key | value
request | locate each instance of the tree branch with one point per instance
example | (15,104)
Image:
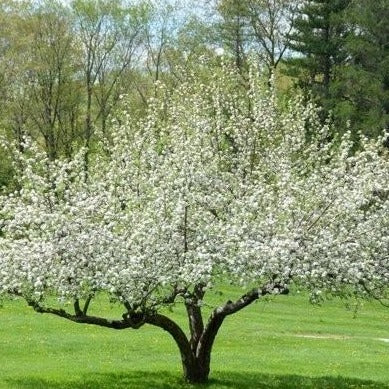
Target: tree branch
(217,317)
(177,334)
(372,294)
(77,309)
(196,324)
(86,305)
(128,321)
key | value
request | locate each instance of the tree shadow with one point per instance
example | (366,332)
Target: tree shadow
(222,380)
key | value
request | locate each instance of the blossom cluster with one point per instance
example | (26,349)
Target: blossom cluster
(217,181)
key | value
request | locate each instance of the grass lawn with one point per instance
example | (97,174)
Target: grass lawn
(282,343)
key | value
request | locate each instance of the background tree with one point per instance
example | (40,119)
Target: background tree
(319,37)
(361,89)
(215,192)
(257,27)
(13,76)
(108,33)
(271,23)
(42,97)
(234,30)
(52,92)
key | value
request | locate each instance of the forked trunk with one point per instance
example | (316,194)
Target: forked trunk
(197,364)
(195,367)
(196,351)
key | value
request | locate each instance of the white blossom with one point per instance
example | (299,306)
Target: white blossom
(205,187)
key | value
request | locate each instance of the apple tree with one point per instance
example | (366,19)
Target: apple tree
(217,183)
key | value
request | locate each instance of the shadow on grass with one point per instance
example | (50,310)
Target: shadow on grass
(222,380)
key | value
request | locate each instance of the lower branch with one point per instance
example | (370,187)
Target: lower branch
(128,321)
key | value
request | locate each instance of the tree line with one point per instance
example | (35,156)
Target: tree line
(65,66)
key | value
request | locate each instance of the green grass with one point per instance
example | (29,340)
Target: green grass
(283,343)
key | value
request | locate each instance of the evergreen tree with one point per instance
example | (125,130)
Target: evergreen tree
(319,37)
(362,86)
(234,30)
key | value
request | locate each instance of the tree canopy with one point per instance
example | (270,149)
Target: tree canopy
(216,183)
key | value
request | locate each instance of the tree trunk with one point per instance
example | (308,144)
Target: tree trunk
(195,368)
(197,371)
(196,359)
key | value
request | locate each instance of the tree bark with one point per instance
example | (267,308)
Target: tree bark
(197,372)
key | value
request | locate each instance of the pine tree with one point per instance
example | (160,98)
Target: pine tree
(362,85)
(233,29)
(319,39)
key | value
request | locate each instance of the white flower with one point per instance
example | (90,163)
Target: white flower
(213,190)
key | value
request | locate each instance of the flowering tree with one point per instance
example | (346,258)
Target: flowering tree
(216,183)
